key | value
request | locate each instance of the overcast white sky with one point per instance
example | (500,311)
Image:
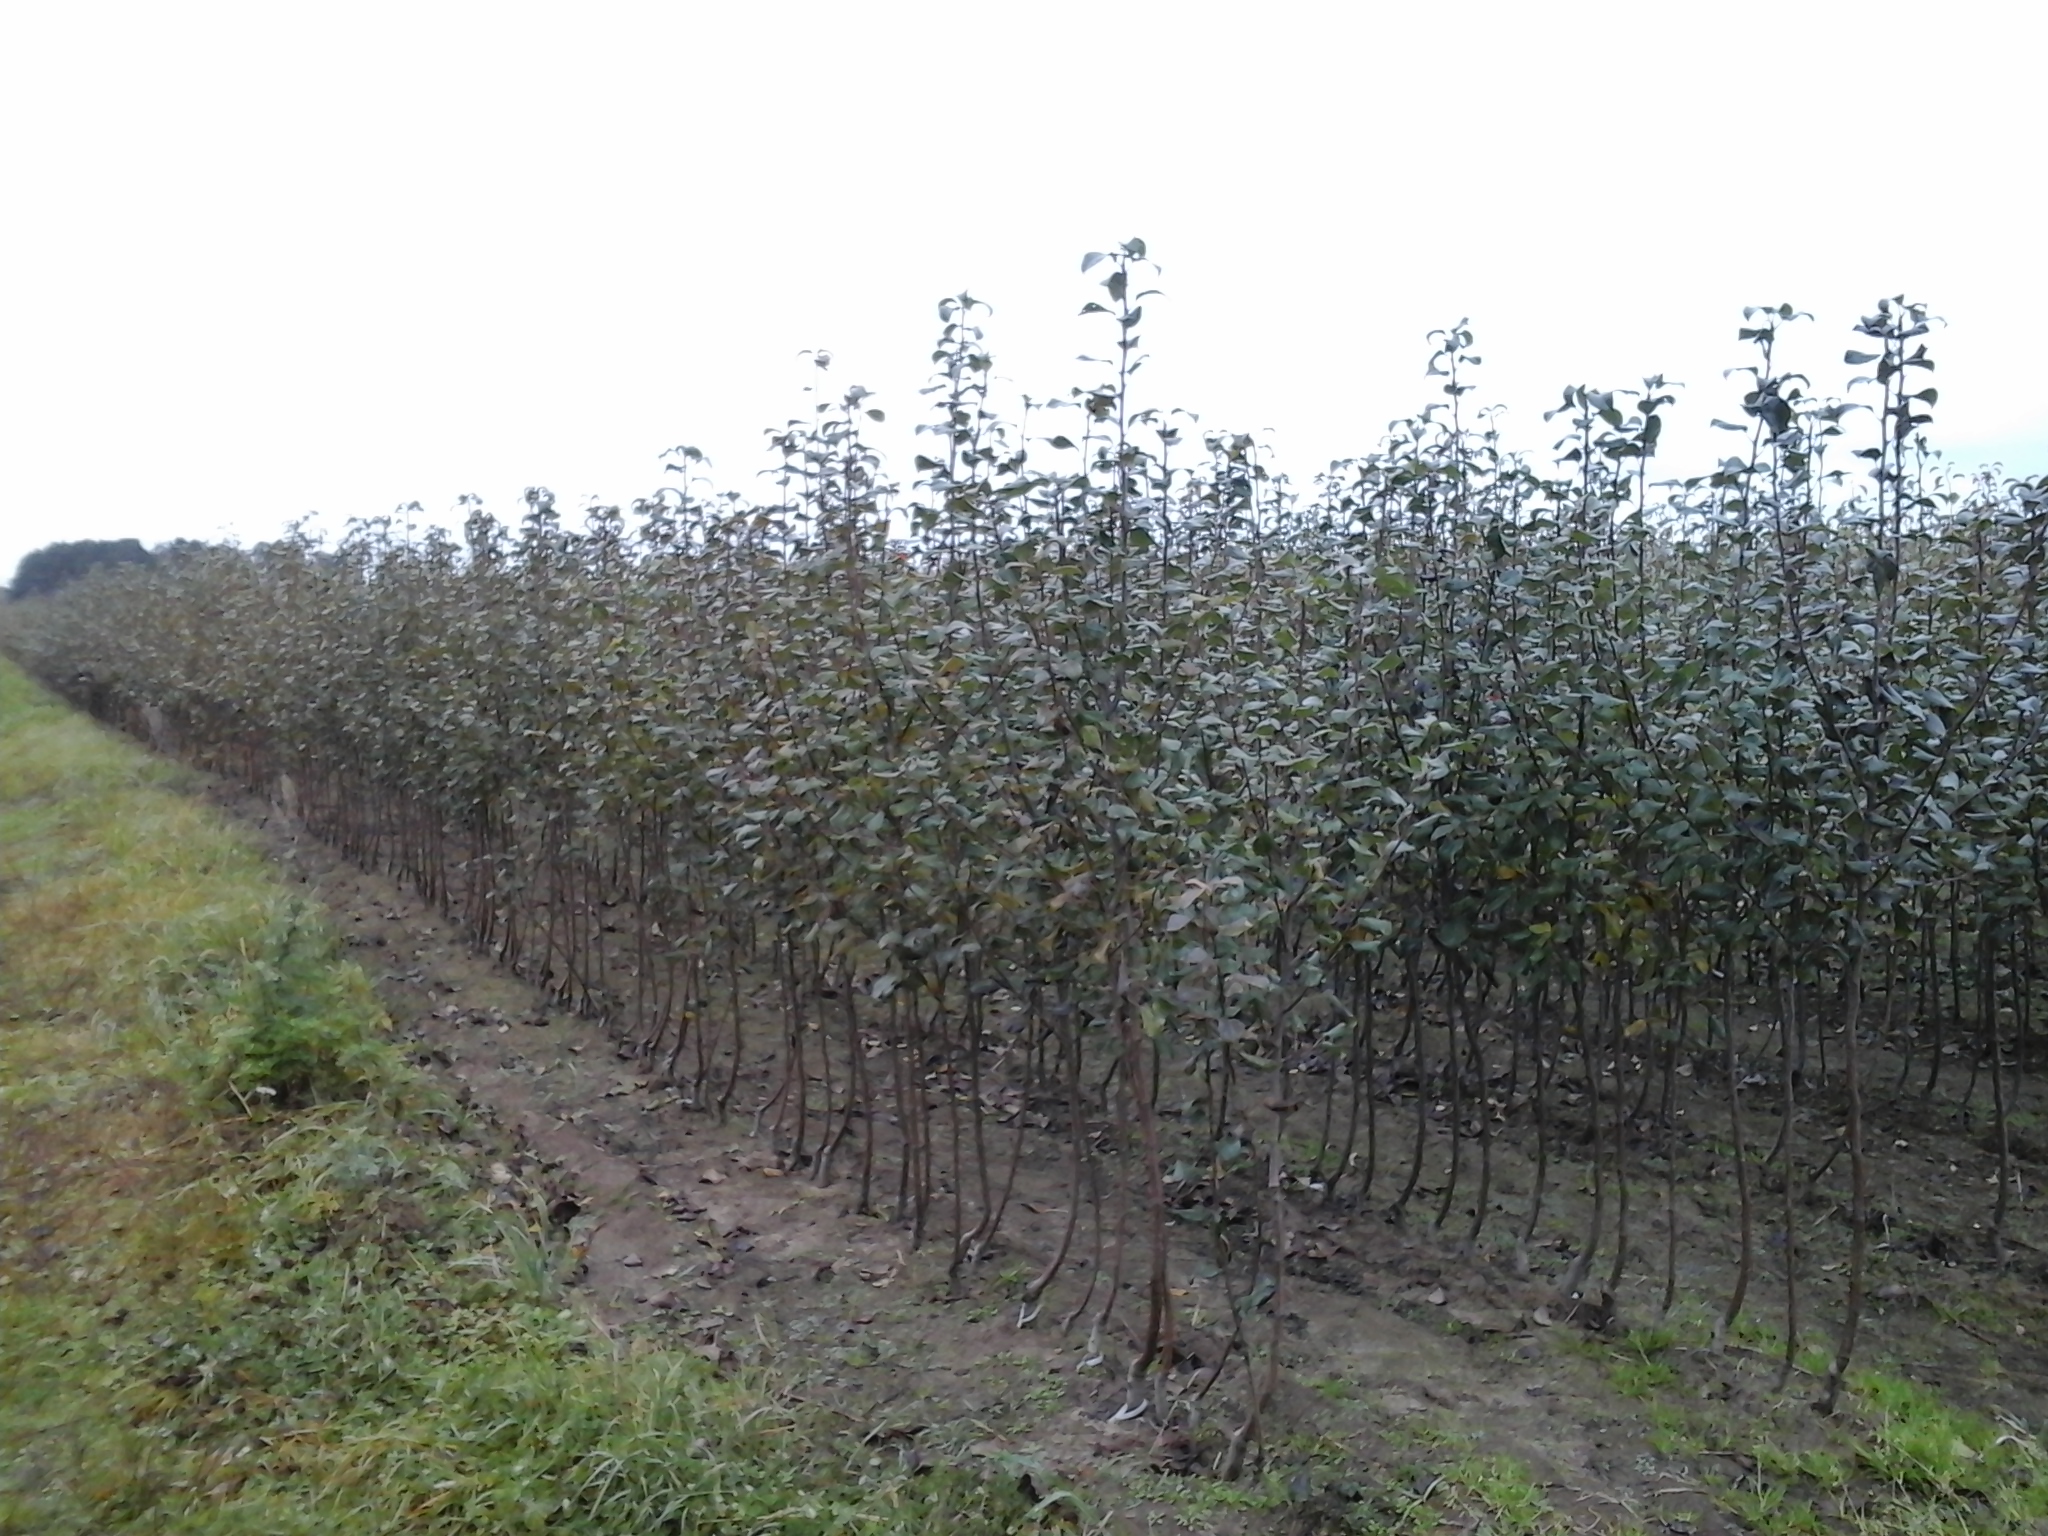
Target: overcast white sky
(270,259)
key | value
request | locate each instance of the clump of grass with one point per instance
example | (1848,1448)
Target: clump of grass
(1954,1469)
(1896,1458)
(245,1288)
(1454,1481)
(288,1025)
(1637,1368)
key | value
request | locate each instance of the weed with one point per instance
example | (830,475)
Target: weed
(1771,1511)
(1011,1279)
(1640,1378)
(1823,1468)
(1496,1492)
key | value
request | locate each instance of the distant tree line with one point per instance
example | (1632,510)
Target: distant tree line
(58,565)
(55,566)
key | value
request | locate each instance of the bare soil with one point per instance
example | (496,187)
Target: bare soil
(1399,1349)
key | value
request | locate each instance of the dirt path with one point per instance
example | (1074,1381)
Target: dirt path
(1398,1352)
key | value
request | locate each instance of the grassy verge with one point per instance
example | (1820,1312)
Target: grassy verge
(247,1284)
(1897,1460)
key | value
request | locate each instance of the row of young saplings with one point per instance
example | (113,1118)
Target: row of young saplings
(1560,1124)
(1511,853)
